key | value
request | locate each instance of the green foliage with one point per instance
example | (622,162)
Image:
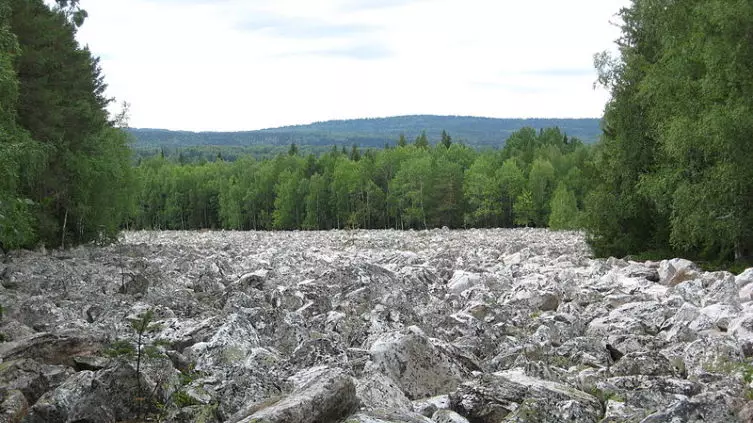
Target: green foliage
(541,183)
(484,193)
(675,159)
(120,349)
(446,139)
(289,212)
(403,187)
(16,223)
(65,173)
(422,141)
(402,142)
(182,399)
(564,209)
(525,209)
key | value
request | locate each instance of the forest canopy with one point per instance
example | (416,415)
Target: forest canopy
(65,169)
(675,158)
(413,185)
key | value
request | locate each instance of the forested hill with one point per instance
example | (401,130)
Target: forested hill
(375,132)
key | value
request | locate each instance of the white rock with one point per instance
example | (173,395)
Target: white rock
(674,271)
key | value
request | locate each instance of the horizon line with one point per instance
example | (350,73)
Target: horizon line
(362,118)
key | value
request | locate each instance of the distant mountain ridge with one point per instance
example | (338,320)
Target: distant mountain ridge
(372,132)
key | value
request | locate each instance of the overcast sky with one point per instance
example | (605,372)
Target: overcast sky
(250,64)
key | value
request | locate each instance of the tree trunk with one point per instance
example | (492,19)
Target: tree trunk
(65,223)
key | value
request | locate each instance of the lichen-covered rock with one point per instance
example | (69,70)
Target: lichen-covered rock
(498,324)
(639,318)
(428,406)
(105,396)
(619,412)
(488,399)
(448,416)
(462,280)
(31,378)
(721,355)
(547,401)
(13,406)
(647,363)
(378,391)
(646,392)
(387,416)
(49,348)
(420,369)
(13,330)
(706,407)
(329,396)
(230,343)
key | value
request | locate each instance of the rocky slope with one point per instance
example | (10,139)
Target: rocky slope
(378,326)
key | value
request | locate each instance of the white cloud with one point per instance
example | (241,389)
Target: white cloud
(240,64)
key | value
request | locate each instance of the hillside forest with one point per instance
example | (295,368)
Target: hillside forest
(670,174)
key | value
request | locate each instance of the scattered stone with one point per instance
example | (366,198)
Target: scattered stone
(371,326)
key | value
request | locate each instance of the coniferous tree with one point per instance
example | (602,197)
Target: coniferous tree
(422,141)
(81,189)
(446,140)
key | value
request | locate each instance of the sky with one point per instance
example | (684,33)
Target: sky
(231,65)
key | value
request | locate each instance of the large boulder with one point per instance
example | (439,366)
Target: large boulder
(114,394)
(387,416)
(50,348)
(488,399)
(647,363)
(448,416)
(677,270)
(552,402)
(420,368)
(638,318)
(325,395)
(706,407)
(32,378)
(379,391)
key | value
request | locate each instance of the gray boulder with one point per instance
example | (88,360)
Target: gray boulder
(378,391)
(105,396)
(647,363)
(328,395)
(13,406)
(448,416)
(548,401)
(706,407)
(488,399)
(677,270)
(420,368)
(387,416)
(32,378)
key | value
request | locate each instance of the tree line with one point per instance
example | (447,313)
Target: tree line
(476,132)
(539,178)
(670,176)
(65,172)
(675,158)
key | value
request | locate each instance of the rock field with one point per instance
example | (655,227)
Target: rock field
(480,326)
